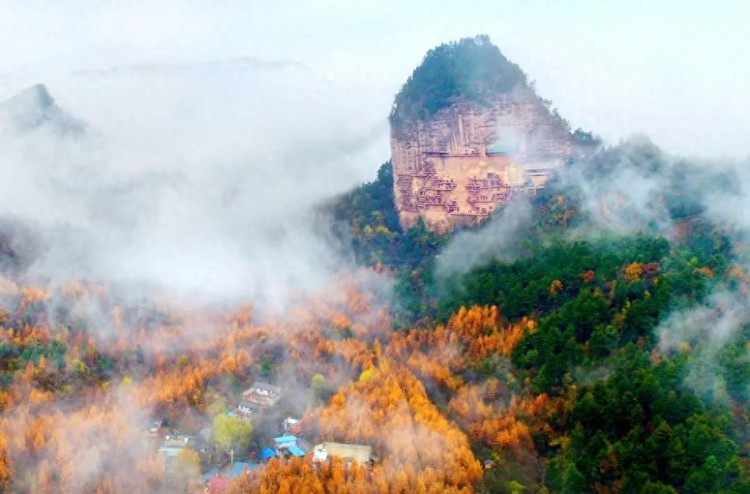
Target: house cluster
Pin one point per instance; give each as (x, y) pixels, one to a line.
(253, 401)
(290, 445)
(218, 481)
(285, 447)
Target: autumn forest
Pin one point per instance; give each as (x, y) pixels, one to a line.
(584, 363)
(189, 303)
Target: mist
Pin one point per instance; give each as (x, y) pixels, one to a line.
(635, 188)
(500, 240)
(203, 179)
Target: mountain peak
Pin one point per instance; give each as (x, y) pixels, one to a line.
(38, 95)
(35, 107)
(468, 134)
(470, 69)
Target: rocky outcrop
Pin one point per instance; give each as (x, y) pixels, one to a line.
(461, 163)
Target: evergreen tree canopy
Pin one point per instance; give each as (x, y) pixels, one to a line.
(471, 68)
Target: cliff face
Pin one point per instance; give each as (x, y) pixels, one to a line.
(458, 165)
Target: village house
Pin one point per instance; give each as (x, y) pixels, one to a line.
(255, 398)
(360, 453)
(244, 410)
(262, 395)
(292, 426)
(291, 446)
(173, 444)
(218, 482)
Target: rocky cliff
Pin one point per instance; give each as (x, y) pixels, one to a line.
(456, 160)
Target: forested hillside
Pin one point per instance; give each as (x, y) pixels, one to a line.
(618, 335)
(599, 345)
(352, 248)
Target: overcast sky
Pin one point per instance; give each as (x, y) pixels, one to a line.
(677, 70)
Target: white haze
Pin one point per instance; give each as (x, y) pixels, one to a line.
(498, 241)
(704, 330)
(629, 199)
(714, 322)
(671, 69)
(202, 178)
(189, 104)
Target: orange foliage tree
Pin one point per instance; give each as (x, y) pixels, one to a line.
(421, 449)
(5, 463)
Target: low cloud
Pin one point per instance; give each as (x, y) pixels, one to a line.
(714, 322)
(200, 178)
(704, 330)
(500, 240)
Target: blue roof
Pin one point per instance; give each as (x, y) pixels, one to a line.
(239, 467)
(210, 473)
(504, 148)
(285, 439)
(296, 451)
(267, 453)
(236, 469)
(231, 414)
